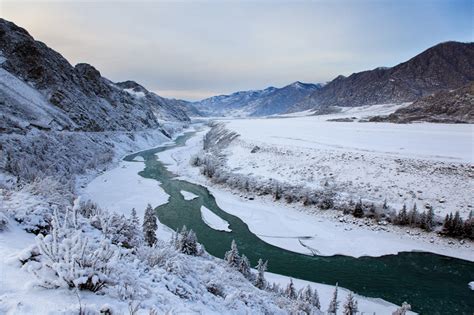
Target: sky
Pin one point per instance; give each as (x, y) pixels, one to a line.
(195, 49)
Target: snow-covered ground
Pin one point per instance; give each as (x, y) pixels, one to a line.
(328, 235)
(214, 221)
(188, 195)
(427, 164)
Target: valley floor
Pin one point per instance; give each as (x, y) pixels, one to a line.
(304, 230)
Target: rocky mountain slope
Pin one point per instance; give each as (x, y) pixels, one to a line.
(456, 106)
(256, 102)
(445, 66)
(40, 88)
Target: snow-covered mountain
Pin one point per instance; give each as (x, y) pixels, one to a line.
(445, 66)
(40, 88)
(265, 102)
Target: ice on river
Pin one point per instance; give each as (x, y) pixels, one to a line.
(188, 195)
(214, 221)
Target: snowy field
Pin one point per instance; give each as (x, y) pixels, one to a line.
(426, 164)
(327, 234)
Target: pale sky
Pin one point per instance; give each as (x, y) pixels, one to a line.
(196, 49)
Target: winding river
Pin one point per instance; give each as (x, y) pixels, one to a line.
(432, 284)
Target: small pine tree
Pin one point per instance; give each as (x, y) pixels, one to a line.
(244, 267)
(290, 290)
(307, 295)
(403, 309)
(188, 242)
(315, 300)
(413, 219)
(402, 218)
(358, 210)
(232, 256)
(333, 304)
(260, 282)
(350, 307)
(429, 220)
(134, 217)
(385, 206)
(150, 226)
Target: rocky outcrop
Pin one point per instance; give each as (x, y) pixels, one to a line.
(79, 96)
(456, 106)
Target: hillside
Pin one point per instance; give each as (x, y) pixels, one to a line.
(456, 106)
(41, 89)
(445, 66)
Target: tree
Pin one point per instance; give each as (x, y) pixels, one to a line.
(307, 295)
(429, 220)
(244, 267)
(413, 217)
(385, 206)
(232, 256)
(334, 304)
(149, 226)
(358, 211)
(350, 307)
(403, 309)
(260, 282)
(134, 218)
(290, 290)
(402, 218)
(188, 242)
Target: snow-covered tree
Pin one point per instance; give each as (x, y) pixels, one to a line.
(402, 217)
(309, 296)
(350, 306)
(403, 309)
(260, 281)
(188, 242)
(149, 226)
(413, 217)
(232, 256)
(290, 290)
(334, 303)
(244, 267)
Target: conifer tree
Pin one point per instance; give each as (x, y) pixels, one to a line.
(260, 282)
(402, 218)
(385, 206)
(333, 304)
(350, 307)
(309, 296)
(429, 220)
(413, 217)
(244, 267)
(188, 242)
(149, 226)
(290, 290)
(232, 256)
(358, 211)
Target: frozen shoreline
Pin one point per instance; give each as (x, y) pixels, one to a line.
(214, 221)
(328, 236)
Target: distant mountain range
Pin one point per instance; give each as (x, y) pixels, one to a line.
(265, 102)
(446, 66)
(41, 89)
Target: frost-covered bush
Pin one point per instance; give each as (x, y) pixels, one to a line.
(3, 221)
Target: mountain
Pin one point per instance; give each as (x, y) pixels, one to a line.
(448, 65)
(40, 88)
(256, 102)
(455, 106)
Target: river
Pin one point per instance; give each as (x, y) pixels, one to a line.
(431, 283)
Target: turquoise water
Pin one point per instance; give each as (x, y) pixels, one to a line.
(432, 284)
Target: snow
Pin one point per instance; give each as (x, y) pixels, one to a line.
(471, 285)
(214, 221)
(325, 292)
(121, 189)
(419, 163)
(328, 236)
(134, 93)
(188, 195)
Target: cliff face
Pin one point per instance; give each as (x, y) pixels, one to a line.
(39, 86)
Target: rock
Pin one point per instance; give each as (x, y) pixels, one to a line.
(442, 200)
(431, 240)
(255, 149)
